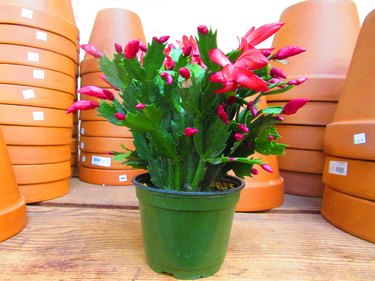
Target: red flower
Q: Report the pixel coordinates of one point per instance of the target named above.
(288, 52)
(82, 105)
(184, 72)
(190, 45)
(131, 49)
(190, 131)
(120, 116)
(255, 36)
(292, 106)
(161, 40)
(167, 77)
(91, 50)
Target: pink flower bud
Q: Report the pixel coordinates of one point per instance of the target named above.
(243, 128)
(161, 40)
(254, 171)
(231, 99)
(91, 50)
(120, 116)
(274, 81)
(279, 118)
(131, 49)
(108, 94)
(267, 52)
(140, 106)
(118, 48)
(222, 114)
(238, 136)
(297, 82)
(104, 78)
(82, 105)
(187, 51)
(142, 47)
(288, 52)
(271, 137)
(202, 29)
(249, 146)
(292, 106)
(254, 111)
(232, 159)
(277, 73)
(109, 153)
(184, 72)
(267, 168)
(167, 77)
(190, 131)
(92, 91)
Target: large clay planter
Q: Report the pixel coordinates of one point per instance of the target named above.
(103, 129)
(93, 78)
(304, 161)
(303, 184)
(40, 154)
(349, 213)
(105, 33)
(100, 161)
(104, 145)
(302, 137)
(330, 42)
(12, 203)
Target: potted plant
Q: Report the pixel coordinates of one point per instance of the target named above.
(193, 113)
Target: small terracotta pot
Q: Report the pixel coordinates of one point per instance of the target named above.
(105, 33)
(104, 145)
(103, 129)
(303, 184)
(351, 214)
(25, 135)
(303, 161)
(33, 96)
(31, 155)
(108, 177)
(329, 43)
(302, 137)
(100, 161)
(12, 203)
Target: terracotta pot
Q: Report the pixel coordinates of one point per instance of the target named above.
(44, 191)
(25, 135)
(31, 155)
(103, 129)
(104, 145)
(91, 115)
(33, 96)
(351, 214)
(38, 38)
(353, 177)
(104, 34)
(313, 113)
(100, 161)
(329, 43)
(354, 119)
(302, 137)
(74, 145)
(34, 116)
(12, 203)
(304, 161)
(303, 184)
(108, 177)
(93, 78)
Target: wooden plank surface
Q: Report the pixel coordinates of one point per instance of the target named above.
(74, 243)
(123, 197)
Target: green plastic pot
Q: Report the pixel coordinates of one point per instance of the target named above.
(186, 234)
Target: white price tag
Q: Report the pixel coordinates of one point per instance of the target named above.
(38, 115)
(41, 35)
(101, 161)
(359, 138)
(82, 131)
(27, 13)
(38, 74)
(31, 56)
(122, 178)
(338, 168)
(28, 94)
(83, 158)
(82, 144)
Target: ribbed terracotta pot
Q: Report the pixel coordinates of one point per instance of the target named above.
(305, 161)
(105, 33)
(93, 78)
(103, 129)
(354, 119)
(302, 137)
(349, 213)
(313, 25)
(303, 184)
(40, 154)
(12, 203)
(104, 145)
(100, 161)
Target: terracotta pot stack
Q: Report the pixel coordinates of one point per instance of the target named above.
(97, 136)
(313, 25)
(38, 66)
(349, 172)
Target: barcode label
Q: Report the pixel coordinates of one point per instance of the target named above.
(82, 144)
(359, 138)
(101, 161)
(123, 178)
(82, 131)
(38, 74)
(28, 94)
(31, 56)
(338, 168)
(41, 35)
(27, 13)
(38, 115)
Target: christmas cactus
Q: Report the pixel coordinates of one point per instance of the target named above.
(192, 109)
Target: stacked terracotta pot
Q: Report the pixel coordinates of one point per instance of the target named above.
(97, 136)
(38, 66)
(313, 25)
(349, 172)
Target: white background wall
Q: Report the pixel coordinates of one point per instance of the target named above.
(175, 17)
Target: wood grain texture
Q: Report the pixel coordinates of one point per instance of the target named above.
(73, 243)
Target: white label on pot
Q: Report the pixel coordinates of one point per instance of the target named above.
(338, 168)
(101, 161)
(41, 35)
(82, 131)
(27, 13)
(82, 144)
(359, 138)
(31, 56)
(38, 74)
(83, 158)
(122, 178)
(28, 94)
(38, 115)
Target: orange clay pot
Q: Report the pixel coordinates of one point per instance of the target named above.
(38, 38)
(34, 116)
(74, 145)
(25, 135)
(100, 161)
(353, 177)
(302, 137)
(351, 214)
(93, 78)
(103, 129)
(108, 177)
(104, 145)
(44, 191)
(33, 96)
(304, 161)
(31, 155)
(351, 133)
(105, 33)
(329, 43)
(12, 203)
(303, 184)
